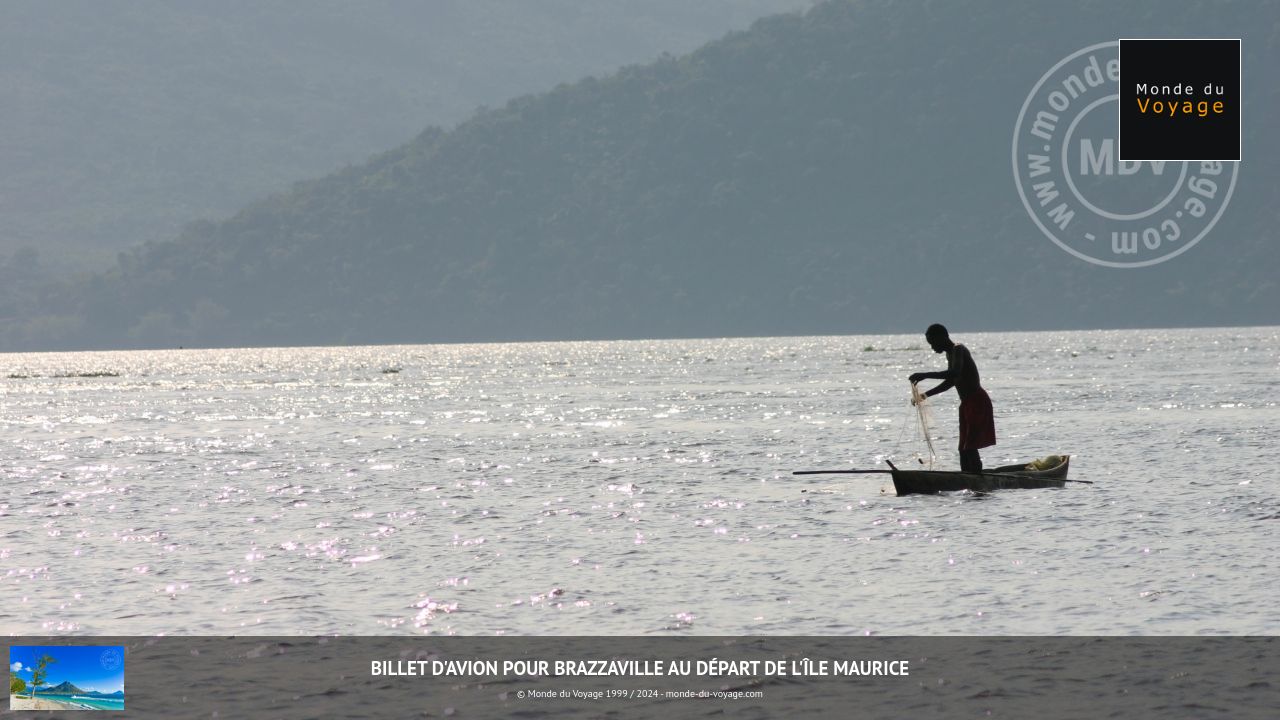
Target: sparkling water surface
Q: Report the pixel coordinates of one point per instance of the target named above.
(639, 487)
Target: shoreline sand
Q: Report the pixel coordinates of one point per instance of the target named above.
(22, 702)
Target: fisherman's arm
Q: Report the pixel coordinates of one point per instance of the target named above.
(955, 362)
(944, 386)
(940, 375)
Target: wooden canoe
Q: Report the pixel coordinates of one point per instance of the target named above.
(1008, 477)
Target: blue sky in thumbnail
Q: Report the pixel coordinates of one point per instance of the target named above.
(88, 667)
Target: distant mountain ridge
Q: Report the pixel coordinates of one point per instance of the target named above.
(843, 171)
(123, 126)
(66, 687)
(63, 688)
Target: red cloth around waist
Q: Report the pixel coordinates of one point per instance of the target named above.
(977, 421)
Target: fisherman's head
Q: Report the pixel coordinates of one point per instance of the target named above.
(938, 338)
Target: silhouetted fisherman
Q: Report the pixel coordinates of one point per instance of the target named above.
(977, 421)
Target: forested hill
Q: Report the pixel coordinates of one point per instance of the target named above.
(124, 121)
(846, 170)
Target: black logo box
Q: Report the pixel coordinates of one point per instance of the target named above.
(1185, 67)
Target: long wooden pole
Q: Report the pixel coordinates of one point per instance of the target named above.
(840, 472)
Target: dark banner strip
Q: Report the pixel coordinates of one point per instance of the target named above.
(638, 677)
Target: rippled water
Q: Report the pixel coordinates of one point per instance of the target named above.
(635, 488)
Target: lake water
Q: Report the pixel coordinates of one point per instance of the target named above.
(637, 488)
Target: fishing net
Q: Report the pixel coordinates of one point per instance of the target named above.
(924, 420)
